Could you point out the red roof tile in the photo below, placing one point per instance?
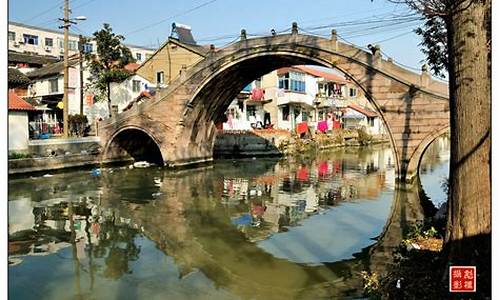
(17, 103)
(314, 72)
(364, 111)
(131, 67)
(322, 74)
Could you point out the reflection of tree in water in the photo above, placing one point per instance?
(117, 246)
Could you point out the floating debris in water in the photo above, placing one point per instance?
(156, 194)
(47, 175)
(142, 164)
(96, 172)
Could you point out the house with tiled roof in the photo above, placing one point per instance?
(179, 51)
(18, 122)
(297, 98)
(357, 117)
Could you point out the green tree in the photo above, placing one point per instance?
(107, 65)
(434, 44)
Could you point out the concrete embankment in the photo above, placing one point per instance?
(250, 143)
(56, 154)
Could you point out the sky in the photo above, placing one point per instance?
(148, 23)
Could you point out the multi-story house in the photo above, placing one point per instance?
(179, 52)
(38, 52)
(25, 38)
(301, 97)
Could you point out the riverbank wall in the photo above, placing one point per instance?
(57, 154)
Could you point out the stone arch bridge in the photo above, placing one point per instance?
(177, 128)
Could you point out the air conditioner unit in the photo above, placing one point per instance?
(16, 44)
(61, 51)
(48, 48)
(21, 41)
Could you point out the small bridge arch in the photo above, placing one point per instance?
(412, 106)
(133, 142)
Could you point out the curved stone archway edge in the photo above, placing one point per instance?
(181, 120)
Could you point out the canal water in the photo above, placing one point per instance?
(300, 228)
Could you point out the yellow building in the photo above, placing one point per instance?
(179, 52)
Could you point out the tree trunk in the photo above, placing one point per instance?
(468, 234)
(109, 99)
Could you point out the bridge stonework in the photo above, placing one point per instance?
(414, 107)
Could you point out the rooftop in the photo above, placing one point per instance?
(71, 34)
(365, 111)
(51, 69)
(34, 59)
(16, 78)
(17, 103)
(314, 72)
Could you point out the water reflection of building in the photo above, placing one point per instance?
(90, 230)
(292, 192)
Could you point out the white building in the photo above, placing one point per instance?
(357, 117)
(295, 98)
(18, 123)
(123, 92)
(25, 38)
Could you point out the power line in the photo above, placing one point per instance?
(171, 17)
(83, 4)
(59, 3)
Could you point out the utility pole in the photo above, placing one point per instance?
(66, 24)
(80, 47)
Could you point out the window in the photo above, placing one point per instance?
(61, 43)
(87, 48)
(283, 81)
(160, 77)
(353, 92)
(138, 56)
(251, 110)
(73, 45)
(136, 86)
(285, 112)
(49, 42)
(54, 87)
(30, 39)
(293, 81)
(248, 88)
(371, 121)
(304, 116)
(12, 36)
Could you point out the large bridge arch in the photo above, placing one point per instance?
(412, 106)
(280, 59)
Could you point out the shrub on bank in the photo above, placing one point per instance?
(78, 124)
(364, 138)
(18, 155)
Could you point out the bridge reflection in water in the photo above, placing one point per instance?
(263, 229)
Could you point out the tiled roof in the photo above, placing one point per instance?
(132, 67)
(16, 103)
(16, 78)
(314, 72)
(18, 57)
(322, 74)
(51, 69)
(364, 111)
